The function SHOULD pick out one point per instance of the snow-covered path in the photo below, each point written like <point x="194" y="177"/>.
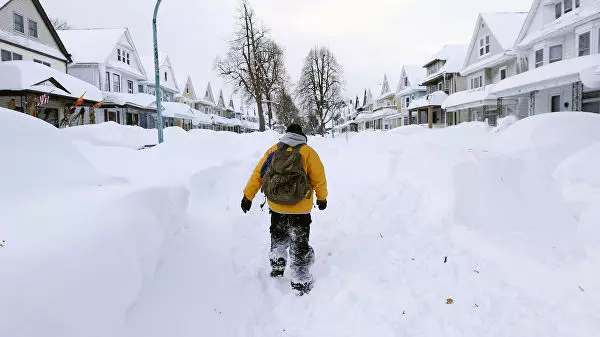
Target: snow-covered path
<point x="504" y="224"/>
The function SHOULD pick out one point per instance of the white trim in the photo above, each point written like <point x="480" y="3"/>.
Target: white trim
<point x="37" y="29"/>
<point x="13" y="23"/>
<point x="562" y="53"/>
<point x="486" y="43"/>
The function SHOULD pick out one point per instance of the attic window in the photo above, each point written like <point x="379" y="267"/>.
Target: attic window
<point x="484" y="45"/>
<point x="119" y="54"/>
<point x="128" y="59"/>
<point x="19" y="23"/>
<point x="166" y="78"/>
<point x="406" y="81"/>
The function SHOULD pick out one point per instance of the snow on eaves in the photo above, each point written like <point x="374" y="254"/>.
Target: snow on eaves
<point x="35" y="77"/>
<point x="178" y="110"/>
<point x="505" y="26"/>
<point x="415" y="74"/>
<point x="90" y="45"/>
<point x="469" y="98"/>
<point x="435" y="99"/>
<point x="138" y="100"/>
<point x="31" y="44"/>
<point x="488" y="62"/>
<point x="3" y="2"/>
<point x="552" y="75"/>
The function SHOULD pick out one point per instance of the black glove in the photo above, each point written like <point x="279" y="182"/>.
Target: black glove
<point x="246" y="204"/>
<point x="322" y="204"/>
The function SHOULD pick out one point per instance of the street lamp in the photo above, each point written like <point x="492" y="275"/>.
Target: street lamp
<point x="157" y="75"/>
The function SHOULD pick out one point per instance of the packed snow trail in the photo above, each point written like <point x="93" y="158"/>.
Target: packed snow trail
<point x="502" y="222"/>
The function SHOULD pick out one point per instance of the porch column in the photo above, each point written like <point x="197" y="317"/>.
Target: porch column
<point x="577" y="99"/>
<point x="532" y="103"/>
<point x="430" y="117"/>
<point x="419" y="121"/>
<point x="409" y="117"/>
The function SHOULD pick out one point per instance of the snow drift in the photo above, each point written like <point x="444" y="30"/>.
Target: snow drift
<point x="502" y="221"/>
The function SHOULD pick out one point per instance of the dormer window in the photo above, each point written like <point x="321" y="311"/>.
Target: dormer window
<point x="119" y="54"/>
<point x="484" y="45"/>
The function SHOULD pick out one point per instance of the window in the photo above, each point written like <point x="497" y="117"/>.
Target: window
<point x="128" y="59"/>
<point x="116" y="83"/>
<point x="166" y="78"/>
<point x="19" y="23"/>
<point x="558" y="10"/>
<point x="568" y="6"/>
<point x="130" y="87"/>
<point x="584" y="44"/>
<point x="119" y="54"/>
<point x="17" y="57"/>
<point x="576" y="3"/>
<point x="46" y="64"/>
<point x="37" y="61"/>
<point x="539" y="58"/>
<point x="406" y="102"/>
<point x="556" y="53"/>
<point x="33" y="28"/>
<point x="6" y="55"/>
<point x="502" y="73"/>
<point x="440" y="86"/>
<point x="555" y="103"/>
<point x="484" y="45"/>
<point x="107" y="81"/>
<point x="141" y="88"/>
<point x="477" y="82"/>
<point x="406" y="81"/>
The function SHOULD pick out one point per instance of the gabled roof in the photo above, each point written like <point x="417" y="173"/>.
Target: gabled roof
<point x="221" y="102"/>
<point x="415" y="75"/>
<point x="91" y="45"/>
<point x="188" y="85"/>
<point x="385" y="87"/>
<point x="208" y="94"/>
<point x="48" y="24"/>
<point x="505" y="26"/>
<point x="164" y="61"/>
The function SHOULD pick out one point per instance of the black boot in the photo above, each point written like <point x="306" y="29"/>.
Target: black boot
<point x="302" y="288"/>
<point x="278" y="267"/>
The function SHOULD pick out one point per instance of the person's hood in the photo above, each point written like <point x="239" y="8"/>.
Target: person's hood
<point x="293" y="139"/>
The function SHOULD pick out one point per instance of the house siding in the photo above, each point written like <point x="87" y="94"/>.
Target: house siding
<point x="30" y="56"/>
<point x="86" y="73"/>
<point x="28" y="10"/>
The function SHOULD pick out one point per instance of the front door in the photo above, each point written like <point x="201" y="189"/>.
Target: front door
<point x="555" y="103"/>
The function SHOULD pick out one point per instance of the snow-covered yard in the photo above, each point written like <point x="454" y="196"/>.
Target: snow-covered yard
<point x="102" y="239"/>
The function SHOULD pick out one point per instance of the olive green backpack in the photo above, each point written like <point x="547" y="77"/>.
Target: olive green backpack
<point x="285" y="182"/>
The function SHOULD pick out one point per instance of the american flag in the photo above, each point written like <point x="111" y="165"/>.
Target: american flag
<point x="44" y="99"/>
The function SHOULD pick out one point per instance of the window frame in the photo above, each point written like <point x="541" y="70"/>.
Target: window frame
<point x="535" y="59"/>
<point x="589" y="44"/>
<point x="15" y="15"/>
<point x="117" y="82"/>
<point x="47" y="64"/>
<point x="484" y="46"/>
<point x="440" y="86"/>
<point x="505" y="69"/>
<point x="4" y="52"/>
<point x="128" y="59"/>
<point x="565" y="11"/>
<point x="37" y="32"/>
<point x="166" y="77"/>
<point x="550" y="60"/>
<point x="17" y="57"/>
<point x="108" y="80"/>
<point x="130" y="86"/>
<point x="141" y="86"/>
<point x="406" y="81"/>
<point x="119" y="54"/>
<point x="558" y="10"/>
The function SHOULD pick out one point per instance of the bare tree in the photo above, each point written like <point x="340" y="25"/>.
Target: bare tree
<point x="242" y="62"/>
<point x="274" y="74"/>
<point x="59" y="24"/>
<point x="286" y="111"/>
<point x="320" y="87"/>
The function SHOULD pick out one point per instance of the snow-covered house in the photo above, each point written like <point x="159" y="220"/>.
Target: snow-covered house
<point x="559" y="66"/>
<point x="169" y="87"/>
<point x="443" y="78"/>
<point x="490" y="59"/>
<point x="26" y="34"/>
<point x="207" y="104"/>
<point x="188" y="95"/>
<point x="384" y="106"/>
<point x="221" y="108"/>
<point x="364" y="118"/>
<point x="409" y="89"/>
<point x="108" y="59"/>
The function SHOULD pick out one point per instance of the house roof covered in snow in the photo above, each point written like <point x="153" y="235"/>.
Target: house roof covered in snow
<point x="505" y="26"/>
<point x="435" y="99"/>
<point x="590" y="10"/>
<point x="61" y="53"/>
<point x="564" y="72"/>
<point x="201" y="118"/>
<point x="138" y="100"/>
<point x="178" y="110"/>
<point x="415" y="75"/>
<point x="165" y="65"/>
<point x="470" y="98"/>
<point x="35" y="77"/>
<point x="91" y="45"/>
<point x="454" y="55"/>
<point x="487" y="62"/>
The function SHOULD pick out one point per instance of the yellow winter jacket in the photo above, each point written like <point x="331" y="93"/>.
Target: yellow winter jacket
<point x="313" y="168"/>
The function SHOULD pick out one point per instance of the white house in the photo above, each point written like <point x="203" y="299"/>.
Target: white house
<point x="443" y="79"/>
<point x="108" y="59"/>
<point x="168" y="81"/>
<point x="409" y="89"/>
<point x="490" y="58"/>
<point x="559" y="61"/>
<point x="26" y="34"/>
<point x="384" y="106"/>
<point x="188" y="95"/>
<point x="364" y="118"/>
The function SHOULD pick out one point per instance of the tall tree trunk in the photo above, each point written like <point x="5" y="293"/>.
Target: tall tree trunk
<point x="261" y="116"/>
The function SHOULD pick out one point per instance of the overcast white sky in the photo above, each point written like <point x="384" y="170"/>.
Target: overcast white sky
<point x="369" y="37"/>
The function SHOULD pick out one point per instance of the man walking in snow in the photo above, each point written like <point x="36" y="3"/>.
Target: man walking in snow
<point x="288" y="174"/>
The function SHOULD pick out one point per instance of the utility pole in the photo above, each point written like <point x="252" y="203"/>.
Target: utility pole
<point x="157" y="76"/>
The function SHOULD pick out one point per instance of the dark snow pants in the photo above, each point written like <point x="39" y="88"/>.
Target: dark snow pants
<point x="292" y="231"/>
